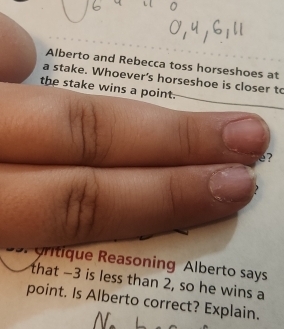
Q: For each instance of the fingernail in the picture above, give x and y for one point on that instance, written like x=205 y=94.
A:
x=248 y=136
x=235 y=184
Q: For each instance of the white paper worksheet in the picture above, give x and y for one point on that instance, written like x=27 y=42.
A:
x=185 y=55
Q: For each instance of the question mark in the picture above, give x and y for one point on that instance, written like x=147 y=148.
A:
x=256 y=188
x=197 y=305
x=270 y=156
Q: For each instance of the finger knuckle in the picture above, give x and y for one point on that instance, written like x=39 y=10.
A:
x=89 y=133
x=80 y=210
x=188 y=133
x=173 y=195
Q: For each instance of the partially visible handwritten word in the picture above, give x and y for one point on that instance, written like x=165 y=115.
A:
x=103 y=322
x=96 y=6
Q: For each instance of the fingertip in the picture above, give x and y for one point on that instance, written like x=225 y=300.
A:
x=17 y=51
x=233 y=184
x=248 y=136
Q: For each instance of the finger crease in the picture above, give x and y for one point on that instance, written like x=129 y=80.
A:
x=80 y=210
x=83 y=134
x=188 y=139
x=172 y=198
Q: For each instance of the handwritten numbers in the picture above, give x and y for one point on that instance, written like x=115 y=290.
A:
x=95 y=6
x=201 y=29
x=173 y=6
x=175 y=26
x=148 y=3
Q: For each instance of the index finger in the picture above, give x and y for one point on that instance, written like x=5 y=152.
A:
x=53 y=126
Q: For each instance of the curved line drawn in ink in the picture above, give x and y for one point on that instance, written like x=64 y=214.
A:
x=22 y=269
x=68 y=17
x=232 y=104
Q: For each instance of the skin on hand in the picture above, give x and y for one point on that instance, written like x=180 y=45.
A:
x=77 y=168
x=17 y=51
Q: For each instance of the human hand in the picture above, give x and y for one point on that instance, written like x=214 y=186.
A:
x=77 y=168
